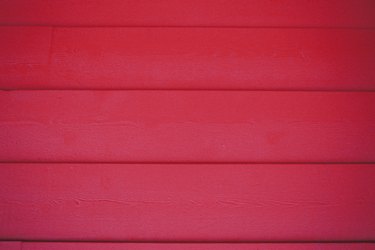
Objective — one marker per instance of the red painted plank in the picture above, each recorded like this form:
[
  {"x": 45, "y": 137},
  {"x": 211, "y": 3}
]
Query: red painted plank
[
  {"x": 8, "y": 245},
  {"x": 182, "y": 246},
  {"x": 15, "y": 245},
  {"x": 326, "y": 13},
  {"x": 187, "y": 58},
  {"x": 187, "y": 126},
  {"x": 188, "y": 202}
]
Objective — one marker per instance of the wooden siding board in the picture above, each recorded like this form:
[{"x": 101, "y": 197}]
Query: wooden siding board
[
  {"x": 10, "y": 245},
  {"x": 243, "y": 13},
  {"x": 187, "y": 58},
  {"x": 187, "y": 126},
  {"x": 200, "y": 246},
  {"x": 136, "y": 157},
  {"x": 187, "y": 202}
]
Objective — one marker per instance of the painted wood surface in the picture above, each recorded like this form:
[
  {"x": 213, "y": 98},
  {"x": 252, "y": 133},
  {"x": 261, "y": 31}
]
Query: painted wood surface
[
  {"x": 188, "y": 202},
  {"x": 179, "y": 246},
  {"x": 243, "y": 13},
  {"x": 10, "y": 245},
  {"x": 187, "y": 58},
  {"x": 201, "y": 124},
  {"x": 187, "y": 126}
]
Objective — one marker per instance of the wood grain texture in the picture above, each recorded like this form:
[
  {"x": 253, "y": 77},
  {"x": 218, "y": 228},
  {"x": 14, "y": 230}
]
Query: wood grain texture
[
  {"x": 188, "y": 202},
  {"x": 287, "y": 13},
  {"x": 187, "y": 58},
  {"x": 182, "y": 246},
  {"x": 186, "y": 126}
]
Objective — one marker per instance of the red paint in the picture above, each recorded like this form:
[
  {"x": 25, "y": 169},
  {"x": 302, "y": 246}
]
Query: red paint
[
  {"x": 179, "y": 246},
  {"x": 188, "y": 202},
  {"x": 196, "y": 92},
  {"x": 187, "y": 58},
  {"x": 187, "y": 126},
  {"x": 11, "y": 245},
  {"x": 243, "y": 13},
  {"x": 182, "y": 246}
]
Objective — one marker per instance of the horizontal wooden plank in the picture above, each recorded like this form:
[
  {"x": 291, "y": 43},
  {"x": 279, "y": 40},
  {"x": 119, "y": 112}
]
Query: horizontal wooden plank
[
  {"x": 184, "y": 202},
  {"x": 326, "y": 13},
  {"x": 178, "y": 246},
  {"x": 187, "y": 58},
  {"x": 184, "y": 246},
  {"x": 4, "y": 245},
  {"x": 187, "y": 126},
  {"x": 13, "y": 245}
]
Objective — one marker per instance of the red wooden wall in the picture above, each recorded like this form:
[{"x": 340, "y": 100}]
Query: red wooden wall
[{"x": 170, "y": 124}]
